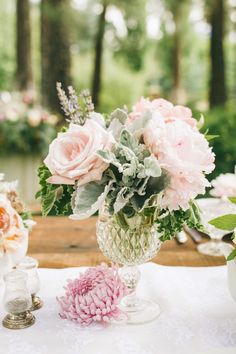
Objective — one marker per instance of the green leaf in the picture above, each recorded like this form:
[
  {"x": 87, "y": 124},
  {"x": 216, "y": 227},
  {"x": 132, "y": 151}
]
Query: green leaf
[
  {"x": 232, "y": 255},
  {"x": 225, "y": 222},
  {"x": 211, "y": 137},
  {"x": 232, "y": 199},
  {"x": 200, "y": 122},
  {"x": 55, "y": 199},
  {"x": 50, "y": 199}
]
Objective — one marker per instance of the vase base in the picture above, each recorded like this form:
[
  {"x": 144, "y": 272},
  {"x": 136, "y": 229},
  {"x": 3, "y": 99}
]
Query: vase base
[{"x": 142, "y": 312}]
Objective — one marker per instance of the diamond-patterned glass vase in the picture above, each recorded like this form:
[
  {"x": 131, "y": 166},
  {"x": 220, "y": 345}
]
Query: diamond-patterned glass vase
[{"x": 130, "y": 242}]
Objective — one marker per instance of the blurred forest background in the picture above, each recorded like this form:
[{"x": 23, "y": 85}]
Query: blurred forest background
[{"x": 184, "y": 51}]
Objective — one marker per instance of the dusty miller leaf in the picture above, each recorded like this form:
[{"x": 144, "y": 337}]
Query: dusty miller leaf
[
  {"x": 137, "y": 127},
  {"x": 120, "y": 115},
  {"x": 122, "y": 199},
  {"x": 152, "y": 167},
  {"x": 115, "y": 128},
  {"x": 88, "y": 199}
]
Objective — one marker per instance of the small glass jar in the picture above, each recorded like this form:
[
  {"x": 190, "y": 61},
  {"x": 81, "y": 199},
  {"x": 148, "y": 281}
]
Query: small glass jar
[
  {"x": 17, "y": 301},
  {"x": 29, "y": 265}
]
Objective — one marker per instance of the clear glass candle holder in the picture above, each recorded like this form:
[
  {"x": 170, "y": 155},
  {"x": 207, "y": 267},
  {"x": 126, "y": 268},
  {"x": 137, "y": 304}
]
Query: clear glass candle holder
[
  {"x": 17, "y": 301},
  {"x": 29, "y": 265}
]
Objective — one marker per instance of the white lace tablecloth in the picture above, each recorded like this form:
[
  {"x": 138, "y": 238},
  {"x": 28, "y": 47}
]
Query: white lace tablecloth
[{"x": 198, "y": 316}]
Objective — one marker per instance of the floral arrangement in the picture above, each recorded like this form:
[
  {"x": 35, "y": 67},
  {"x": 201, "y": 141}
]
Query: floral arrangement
[
  {"x": 25, "y": 127},
  {"x": 227, "y": 222},
  {"x": 152, "y": 161},
  {"x": 15, "y": 224},
  {"x": 93, "y": 297},
  {"x": 224, "y": 185}
]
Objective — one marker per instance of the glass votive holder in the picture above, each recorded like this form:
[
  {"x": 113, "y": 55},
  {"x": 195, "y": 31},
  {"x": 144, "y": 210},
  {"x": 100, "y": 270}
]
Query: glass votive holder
[
  {"x": 17, "y": 301},
  {"x": 29, "y": 265}
]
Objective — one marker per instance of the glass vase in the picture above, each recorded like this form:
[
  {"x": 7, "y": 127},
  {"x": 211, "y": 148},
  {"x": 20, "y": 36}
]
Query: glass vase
[{"x": 130, "y": 242}]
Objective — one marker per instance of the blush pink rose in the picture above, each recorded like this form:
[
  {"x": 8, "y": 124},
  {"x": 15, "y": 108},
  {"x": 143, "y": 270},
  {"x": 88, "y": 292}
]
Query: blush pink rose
[
  {"x": 72, "y": 155},
  {"x": 164, "y": 109},
  {"x": 186, "y": 156}
]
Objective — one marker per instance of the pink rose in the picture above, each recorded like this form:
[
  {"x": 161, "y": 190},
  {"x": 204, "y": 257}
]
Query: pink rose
[
  {"x": 72, "y": 155},
  {"x": 164, "y": 109},
  {"x": 186, "y": 156}
]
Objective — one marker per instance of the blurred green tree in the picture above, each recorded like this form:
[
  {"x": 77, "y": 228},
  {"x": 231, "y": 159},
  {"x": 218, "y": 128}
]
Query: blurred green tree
[
  {"x": 55, "y": 50},
  {"x": 130, "y": 47},
  {"x": 215, "y": 14},
  {"x": 23, "y": 45},
  {"x": 173, "y": 44},
  {"x": 96, "y": 79}
]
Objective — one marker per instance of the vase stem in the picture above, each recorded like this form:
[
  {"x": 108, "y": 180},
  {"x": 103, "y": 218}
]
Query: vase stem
[{"x": 130, "y": 275}]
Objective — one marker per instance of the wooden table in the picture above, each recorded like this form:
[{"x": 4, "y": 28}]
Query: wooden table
[{"x": 59, "y": 242}]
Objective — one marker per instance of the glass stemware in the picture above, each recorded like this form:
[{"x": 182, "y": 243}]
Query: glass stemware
[
  {"x": 212, "y": 208},
  {"x": 130, "y": 247}
]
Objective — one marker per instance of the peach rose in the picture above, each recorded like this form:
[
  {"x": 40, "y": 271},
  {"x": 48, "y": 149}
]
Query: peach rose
[
  {"x": 72, "y": 155},
  {"x": 13, "y": 234}
]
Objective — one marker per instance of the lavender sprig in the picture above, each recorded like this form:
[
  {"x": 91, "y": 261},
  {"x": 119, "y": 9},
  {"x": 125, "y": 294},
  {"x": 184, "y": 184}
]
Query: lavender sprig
[
  {"x": 89, "y": 106},
  {"x": 71, "y": 107}
]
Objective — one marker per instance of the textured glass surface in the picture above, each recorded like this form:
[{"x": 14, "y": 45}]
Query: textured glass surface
[{"x": 131, "y": 246}]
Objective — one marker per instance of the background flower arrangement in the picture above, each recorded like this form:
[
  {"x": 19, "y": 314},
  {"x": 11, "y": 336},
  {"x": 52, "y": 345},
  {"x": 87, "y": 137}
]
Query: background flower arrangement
[
  {"x": 151, "y": 162},
  {"x": 15, "y": 224},
  {"x": 25, "y": 127},
  {"x": 224, "y": 186}
]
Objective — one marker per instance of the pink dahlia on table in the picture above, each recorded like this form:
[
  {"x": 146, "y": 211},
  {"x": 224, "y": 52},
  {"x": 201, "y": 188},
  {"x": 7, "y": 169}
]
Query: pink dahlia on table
[{"x": 93, "y": 297}]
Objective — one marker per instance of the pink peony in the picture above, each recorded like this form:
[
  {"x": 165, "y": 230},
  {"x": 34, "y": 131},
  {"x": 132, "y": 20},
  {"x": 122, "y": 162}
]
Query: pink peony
[
  {"x": 224, "y": 185},
  {"x": 72, "y": 155},
  {"x": 164, "y": 109},
  {"x": 185, "y": 154},
  {"x": 93, "y": 297}
]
